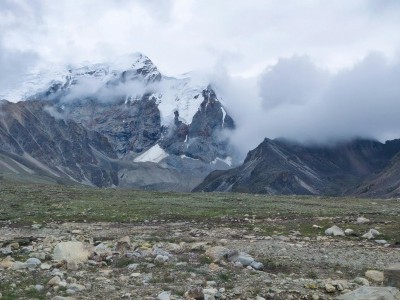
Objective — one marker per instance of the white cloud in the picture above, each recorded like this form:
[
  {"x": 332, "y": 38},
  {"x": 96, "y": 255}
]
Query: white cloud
[
  {"x": 182, "y": 35},
  {"x": 290, "y": 101}
]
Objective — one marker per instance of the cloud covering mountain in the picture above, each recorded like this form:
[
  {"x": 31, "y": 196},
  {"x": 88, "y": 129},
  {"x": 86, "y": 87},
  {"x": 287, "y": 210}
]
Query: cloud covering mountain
[{"x": 298, "y": 100}]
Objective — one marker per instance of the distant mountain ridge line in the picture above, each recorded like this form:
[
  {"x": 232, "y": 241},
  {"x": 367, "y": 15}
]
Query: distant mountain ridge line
[{"x": 284, "y": 167}]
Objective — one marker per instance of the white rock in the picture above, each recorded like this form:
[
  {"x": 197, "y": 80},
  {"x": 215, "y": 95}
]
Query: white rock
[
  {"x": 374, "y": 275},
  {"x": 372, "y": 293},
  {"x": 72, "y": 252},
  {"x": 32, "y": 262},
  {"x": 371, "y": 234},
  {"x": 102, "y": 250},
  {"x": 39, "y": 287},
  {"x": 257, "y": 265},
  {"x": 164, "y": 296},
  {"x": 362, "y": 220},
  {"x": 362, "y": 281},
  {"x": 349, "y": 231},
  {"x": 54, "y": 281},
  {"x": 45, "y": 266},
  {"x": 245, "y": 259},
  {"x": 335, "y": 231},
  {"x": 209, "y": 293},
  {"x": 161, "y": 258},
  {"x": 330, "y": 288},
  {"x": 18, "y": 266},
  {"x": 382, "y": 242},
  {"x": 76, "y": 287}
]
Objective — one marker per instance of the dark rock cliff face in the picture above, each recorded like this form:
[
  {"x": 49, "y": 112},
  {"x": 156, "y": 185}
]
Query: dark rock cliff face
[
  {"x": 130, "y": 127},
  {"x": 385, "y": 183},
  {"x": 62, "y": 147},
  {"x": 282, "y": 167}
]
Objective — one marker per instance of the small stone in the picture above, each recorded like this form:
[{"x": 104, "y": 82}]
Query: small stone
[
  {"x": 217, "y": 253},
  {"x": 381, "y": 242},
  {"x": 334, "y": 231},
  {"x": 362, "y": 281},
  {"x": 54, "y": 281},
  {"x": 7, "y": 263},
  {"x": 161, "y": 259},
  {"x": 76, "y": 287},
  {"x": 18, "y": 265},
  {"x": 349, "y": 232},
  {"x": 209, "y": 293},
  {"x": 195, "y": 293},
  {"x": 45, "y": 266},
  {"x": 330, "y": 288},
  {"x": 6, "y": 251},
  {"x": 76, "y": 231},
  {"x": 14, "y": 246},
  {"x": 257, "y": 265},
  {"x": 136, "y": 274},
  {"x": 362, "y": 220},
  {"x": 102, "y": 250},
  {"x": 32, "y": 262},
  {"x": 245, "y": 259},
  {"x": 371, "y": 234},
  {"x": 164, "y": 296},
  {"x": 374, "y": 275},
  {"x": 39, "y": 287}
]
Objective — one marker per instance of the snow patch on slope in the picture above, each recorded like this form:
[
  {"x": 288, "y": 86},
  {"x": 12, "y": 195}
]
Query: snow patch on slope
[
  {"x": 154, "y": 154},
  {"x": 182, "y": 93},
  {"x": 227, "y": 160}
]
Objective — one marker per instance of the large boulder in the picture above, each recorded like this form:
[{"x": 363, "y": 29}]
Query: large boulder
[
  {"x": 75, "y": 252},
  {"x": 372, "y": 293}
]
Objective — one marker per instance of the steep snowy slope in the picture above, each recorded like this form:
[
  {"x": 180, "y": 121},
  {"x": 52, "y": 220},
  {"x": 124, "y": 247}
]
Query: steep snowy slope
[{"x": 152, "y": 121}]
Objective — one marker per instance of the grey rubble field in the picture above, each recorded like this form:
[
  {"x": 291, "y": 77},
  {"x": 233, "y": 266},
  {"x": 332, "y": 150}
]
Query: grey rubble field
[{"x": 148, "y": 245}]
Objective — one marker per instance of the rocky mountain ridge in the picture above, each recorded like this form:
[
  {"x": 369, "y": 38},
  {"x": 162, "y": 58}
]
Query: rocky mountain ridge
[
  {"x": 152, "y": 123},
  {"x": 357, "y": 167}
]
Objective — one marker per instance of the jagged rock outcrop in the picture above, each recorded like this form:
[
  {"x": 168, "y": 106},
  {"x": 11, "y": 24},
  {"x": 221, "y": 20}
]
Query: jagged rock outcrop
[
  {"x": 283, "y": 167},
  {"x": 201, "y": 139}
]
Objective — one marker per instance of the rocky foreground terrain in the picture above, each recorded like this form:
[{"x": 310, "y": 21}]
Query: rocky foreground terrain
[
  {"x": 184, "y": 260},
  {"x": 60, "y": 242}
]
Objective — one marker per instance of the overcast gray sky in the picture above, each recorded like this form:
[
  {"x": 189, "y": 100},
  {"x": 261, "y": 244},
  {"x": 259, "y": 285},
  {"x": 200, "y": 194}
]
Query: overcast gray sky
[
  {"x": 182, "y": 35},
  {"x": 286, "y": 61}
]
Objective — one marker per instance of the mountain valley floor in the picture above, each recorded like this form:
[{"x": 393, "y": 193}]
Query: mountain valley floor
[{"x": 73, "y": 242}]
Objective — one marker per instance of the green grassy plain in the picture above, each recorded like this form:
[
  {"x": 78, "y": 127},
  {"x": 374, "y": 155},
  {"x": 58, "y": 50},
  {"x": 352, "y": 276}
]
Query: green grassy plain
[{"x": 24, "y": 204}]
